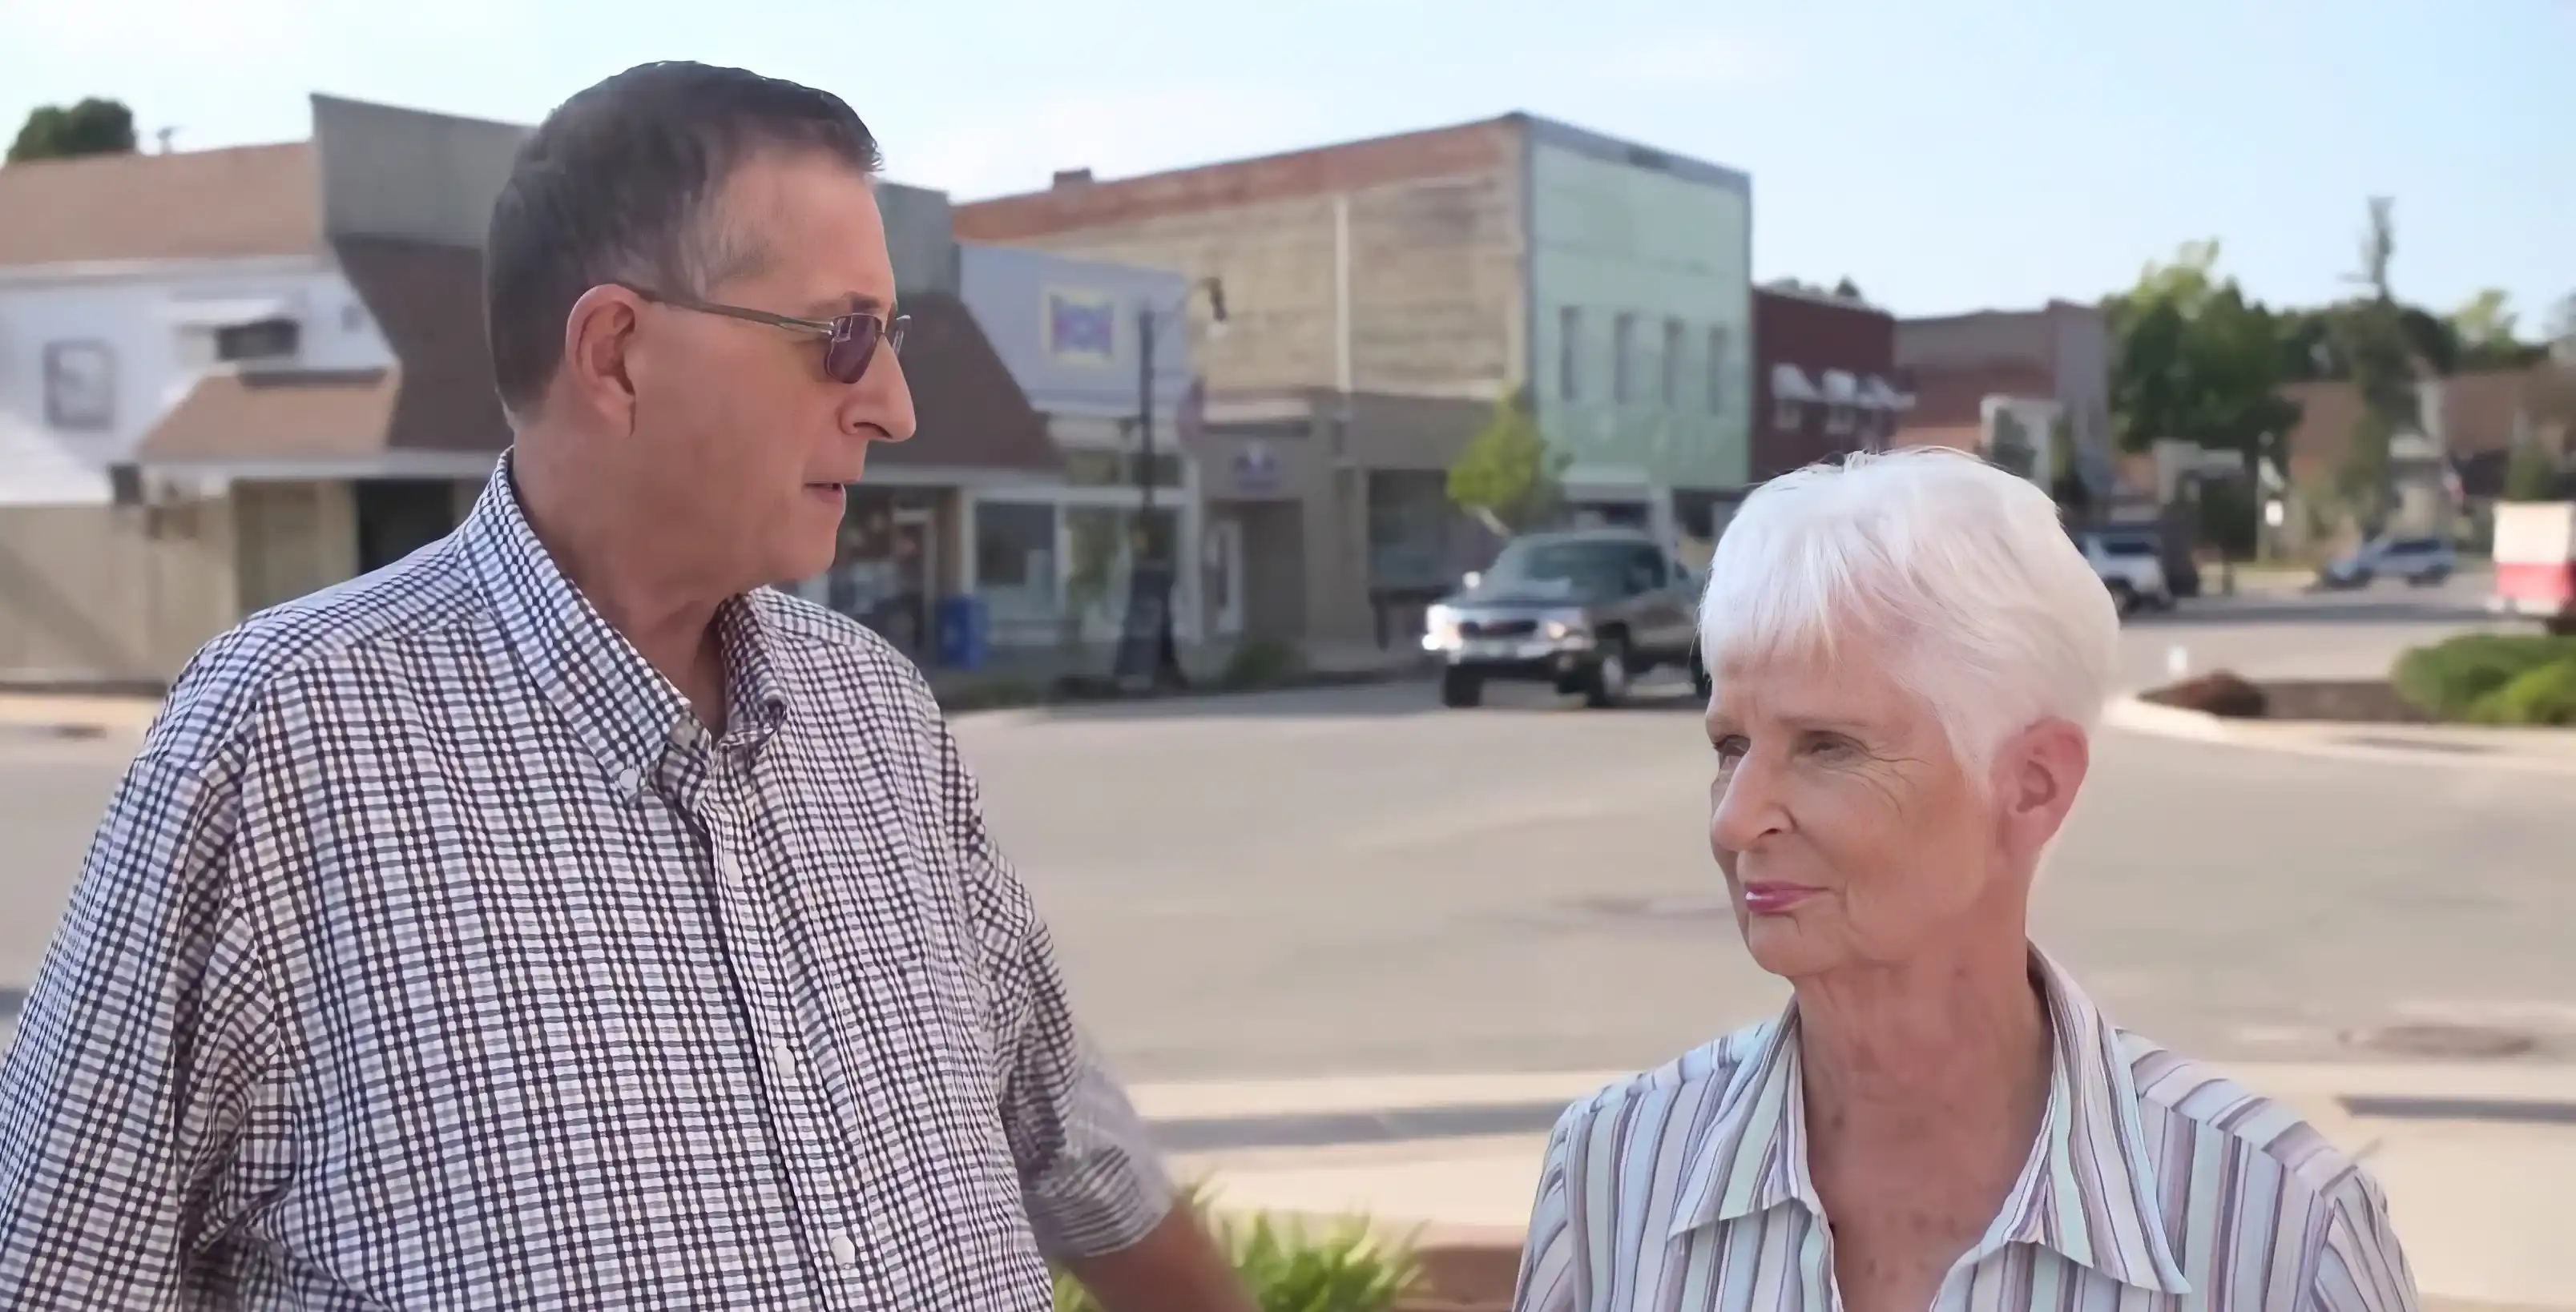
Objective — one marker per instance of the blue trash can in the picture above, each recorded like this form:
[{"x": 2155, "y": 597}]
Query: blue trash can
[{"x": 965, "y": 632}]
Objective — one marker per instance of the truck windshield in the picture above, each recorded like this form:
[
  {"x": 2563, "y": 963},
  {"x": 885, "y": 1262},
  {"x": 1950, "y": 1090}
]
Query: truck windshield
[{"x": 1561, "y": 569}]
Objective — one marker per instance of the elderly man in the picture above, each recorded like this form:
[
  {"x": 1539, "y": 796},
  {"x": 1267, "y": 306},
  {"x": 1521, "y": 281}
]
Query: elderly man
[
  {"x": 1910, "y": 658},
  {"x": 560, "y": 918}
]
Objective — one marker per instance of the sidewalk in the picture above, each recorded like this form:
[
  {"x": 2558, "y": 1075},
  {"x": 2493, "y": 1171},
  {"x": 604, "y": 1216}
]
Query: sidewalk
[
  {"x": 2475, "y": 1159},
  {"x": 2546, "y": 751},
  {"x": 80, "y": 714}
]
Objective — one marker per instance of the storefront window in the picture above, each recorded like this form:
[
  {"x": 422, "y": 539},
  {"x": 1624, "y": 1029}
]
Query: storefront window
[
  {"x": 1100, "y": 544},
  {"x": 1015, "y": 563}
]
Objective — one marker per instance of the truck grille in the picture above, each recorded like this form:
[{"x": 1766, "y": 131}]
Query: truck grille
[{"x": 1497, "y": 628}]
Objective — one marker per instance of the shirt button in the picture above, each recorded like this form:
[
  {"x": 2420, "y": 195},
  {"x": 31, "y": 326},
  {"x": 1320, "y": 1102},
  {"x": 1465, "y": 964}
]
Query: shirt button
[
  {"x": 626, "y": 781},
  {"x": 845, "y": 1250},
  {"x": 729, "y": 869},
  {"x": 784, "y": 1053}
]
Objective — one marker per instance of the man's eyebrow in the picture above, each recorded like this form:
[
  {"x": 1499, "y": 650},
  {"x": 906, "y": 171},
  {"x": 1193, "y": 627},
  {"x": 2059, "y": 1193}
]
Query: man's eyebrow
[{"x": 845, "y": 303}]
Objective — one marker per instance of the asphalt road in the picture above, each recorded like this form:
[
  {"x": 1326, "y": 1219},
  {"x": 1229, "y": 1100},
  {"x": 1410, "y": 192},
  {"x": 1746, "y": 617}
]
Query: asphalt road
[{"x": 1356, "y": 881}]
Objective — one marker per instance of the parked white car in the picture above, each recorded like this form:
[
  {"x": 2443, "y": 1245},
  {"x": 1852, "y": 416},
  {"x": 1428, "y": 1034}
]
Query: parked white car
[{"x": 2130, "y": 568}]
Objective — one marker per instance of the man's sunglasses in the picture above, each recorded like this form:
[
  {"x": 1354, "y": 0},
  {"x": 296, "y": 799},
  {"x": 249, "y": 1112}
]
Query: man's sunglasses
[{"x": 849, "y": 340}]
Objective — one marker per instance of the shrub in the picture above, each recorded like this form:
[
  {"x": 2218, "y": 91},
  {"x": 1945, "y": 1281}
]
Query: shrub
[
  {"x": 1261, "y": 663},
  {"x": 2541, "y": 695},
  {"x": 1289, "y": 1270},
  {"x": 2219, "y": 692},
  {"x": 2448, "y": 679}
]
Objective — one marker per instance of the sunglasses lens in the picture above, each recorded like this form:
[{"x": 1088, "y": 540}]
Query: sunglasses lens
[{"x": 854, "y": 343}]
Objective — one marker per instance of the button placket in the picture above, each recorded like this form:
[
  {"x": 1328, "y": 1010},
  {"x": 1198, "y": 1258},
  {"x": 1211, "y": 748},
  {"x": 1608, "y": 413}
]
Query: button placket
[{"x": 814, "y": 1173}]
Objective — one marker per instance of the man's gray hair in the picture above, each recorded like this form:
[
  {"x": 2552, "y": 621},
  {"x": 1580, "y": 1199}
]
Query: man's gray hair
[{"x": 1964, "y": 572}]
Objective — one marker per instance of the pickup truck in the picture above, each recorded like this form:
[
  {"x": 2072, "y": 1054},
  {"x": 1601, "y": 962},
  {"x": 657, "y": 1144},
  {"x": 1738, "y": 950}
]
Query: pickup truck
[
  {"x": 1586, "y": 611},
  {"x": 2535, "y": 562}
]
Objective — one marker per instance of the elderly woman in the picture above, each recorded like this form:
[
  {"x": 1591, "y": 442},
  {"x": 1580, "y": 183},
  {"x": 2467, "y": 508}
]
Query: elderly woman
[{"x": 1910, "y": 660}]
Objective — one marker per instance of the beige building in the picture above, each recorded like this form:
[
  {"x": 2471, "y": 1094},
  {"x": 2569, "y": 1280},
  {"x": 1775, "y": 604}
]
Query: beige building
[{"x": 1332, "y": 529}]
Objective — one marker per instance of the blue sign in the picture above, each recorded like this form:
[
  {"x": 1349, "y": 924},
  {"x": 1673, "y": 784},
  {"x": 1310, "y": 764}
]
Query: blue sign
[{"x": 1081, "y": 327}]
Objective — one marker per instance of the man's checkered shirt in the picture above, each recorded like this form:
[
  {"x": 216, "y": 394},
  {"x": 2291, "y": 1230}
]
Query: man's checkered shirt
[{"x": 432, "y": 956}]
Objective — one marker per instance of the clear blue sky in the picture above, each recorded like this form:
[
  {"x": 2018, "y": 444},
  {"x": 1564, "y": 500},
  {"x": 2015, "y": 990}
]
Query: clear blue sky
[{"x": 1946, "y": 154}]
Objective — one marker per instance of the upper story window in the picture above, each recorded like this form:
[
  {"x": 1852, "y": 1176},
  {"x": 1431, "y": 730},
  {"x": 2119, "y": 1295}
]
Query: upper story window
[
  {"x": 1569, "y": 334},
  {"x": 80, "y": 386},
  {"x": 257, "y": 341},
  {"x": 1623, "y": 348},
  {"x": 1672, "y": 363},
  {"x": 1717, "y": 371}
]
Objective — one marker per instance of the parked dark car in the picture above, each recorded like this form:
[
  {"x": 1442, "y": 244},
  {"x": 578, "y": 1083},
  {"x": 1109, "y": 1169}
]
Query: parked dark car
[{"x": 1586, "y": 611}]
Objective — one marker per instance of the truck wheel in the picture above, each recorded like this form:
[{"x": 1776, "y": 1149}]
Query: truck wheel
[
  {"x": 1608, "y": 685},
  {"x": 1701, "y": 684},
  {"x": 1460, "y": 689},
  {"x": 2124, "y": 598}
]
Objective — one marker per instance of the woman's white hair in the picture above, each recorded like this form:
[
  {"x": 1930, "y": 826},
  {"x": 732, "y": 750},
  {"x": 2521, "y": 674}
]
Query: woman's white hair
[{"x": 1965, "y": 573}]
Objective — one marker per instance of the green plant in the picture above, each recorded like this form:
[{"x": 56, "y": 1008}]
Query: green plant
[
  {"x": 2544, "y": 695},
  {"x": 1348, "y": 1269},
  {"x": 1507, "y": 471},
  {"x": 2448, "y": 679}
]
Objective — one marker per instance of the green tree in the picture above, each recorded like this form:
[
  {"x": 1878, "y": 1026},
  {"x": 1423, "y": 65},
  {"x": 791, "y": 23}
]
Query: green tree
[
  {"x": 2193, "y": 359},
  {"x": 91, "y": 127},
  {"x": 1507, "y": 475},
  {"x": 2485, "y": 320},
  {"x": 2530, "y": 473},
  {"x": 2384, "y": 350}
]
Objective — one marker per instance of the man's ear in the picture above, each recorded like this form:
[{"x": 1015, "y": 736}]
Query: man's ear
[{"x": 599, "y": 333}]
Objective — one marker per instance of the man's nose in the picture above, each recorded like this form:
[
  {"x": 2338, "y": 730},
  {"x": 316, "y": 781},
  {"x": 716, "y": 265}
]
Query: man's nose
[{"x": 881, "y": 400}]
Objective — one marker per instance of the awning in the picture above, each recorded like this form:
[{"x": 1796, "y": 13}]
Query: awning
[
  {"x": 274, "y": 415},
  {"x": 1788, "y": 383},
  {"x": 1841, "y": 388},
  {"x": 226, "y": 312},
  {"x": 1878, "y": 395}
]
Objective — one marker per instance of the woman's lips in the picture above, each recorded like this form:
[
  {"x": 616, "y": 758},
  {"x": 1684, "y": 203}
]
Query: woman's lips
[{"x": 1772, "y": 899}]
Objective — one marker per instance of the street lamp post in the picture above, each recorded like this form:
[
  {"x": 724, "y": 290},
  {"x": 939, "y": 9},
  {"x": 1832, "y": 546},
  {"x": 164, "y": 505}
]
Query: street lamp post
[{"x": 1161, "y": 667}]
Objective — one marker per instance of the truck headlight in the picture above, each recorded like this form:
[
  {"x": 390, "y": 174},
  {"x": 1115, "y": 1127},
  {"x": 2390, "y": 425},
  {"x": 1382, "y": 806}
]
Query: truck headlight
[
  {"x": 1439, "y": 629},
  {"x": 1565, "y": 625}
]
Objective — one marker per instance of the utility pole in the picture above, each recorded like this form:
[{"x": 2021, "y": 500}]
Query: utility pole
[
  {"x": 1153, "y": 658},
  {"x": 1167, "y": 656}
]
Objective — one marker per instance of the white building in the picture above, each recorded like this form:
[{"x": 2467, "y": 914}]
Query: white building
[{"x": 230, "y": 377}]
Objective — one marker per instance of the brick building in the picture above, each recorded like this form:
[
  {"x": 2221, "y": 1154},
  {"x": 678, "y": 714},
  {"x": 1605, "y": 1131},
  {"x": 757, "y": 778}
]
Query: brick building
[
  {"x": 1608, "y": 279},
  {"x": 1823, "y": 370},
  {"x": 2059, "y": 354}
]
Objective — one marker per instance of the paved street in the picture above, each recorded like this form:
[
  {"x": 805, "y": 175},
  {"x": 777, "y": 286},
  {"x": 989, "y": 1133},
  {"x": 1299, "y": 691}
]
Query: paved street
[{"x": 1355, "y": 881}]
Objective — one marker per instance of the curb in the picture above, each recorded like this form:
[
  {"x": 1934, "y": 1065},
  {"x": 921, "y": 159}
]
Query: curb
[
  {"x": 76, "y": 716},
  {"x": 2381, "y": 744},
  {"x": 1227, "y": 1118}
]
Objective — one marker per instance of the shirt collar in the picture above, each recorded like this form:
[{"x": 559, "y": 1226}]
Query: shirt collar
[
  {"x": 2088, "y": 1192},
  {"x": 624, "y": 710}
]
